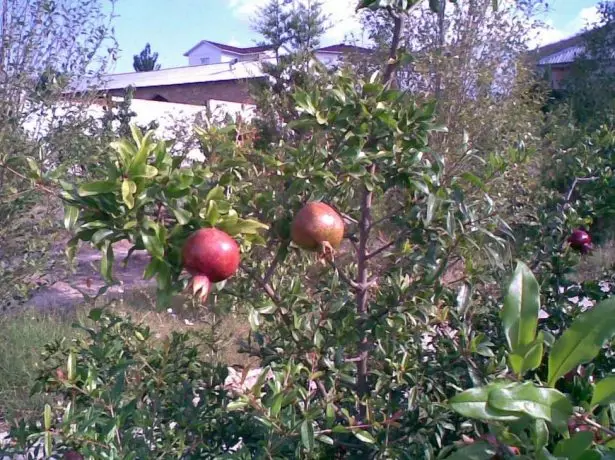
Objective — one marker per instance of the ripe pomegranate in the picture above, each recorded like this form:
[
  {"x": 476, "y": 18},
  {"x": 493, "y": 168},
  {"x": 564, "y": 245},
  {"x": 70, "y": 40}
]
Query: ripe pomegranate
[
  {"x": 211, "y": 256},
  {"x": 580, "y": 241},
  {"x": 317, "y": 227}
]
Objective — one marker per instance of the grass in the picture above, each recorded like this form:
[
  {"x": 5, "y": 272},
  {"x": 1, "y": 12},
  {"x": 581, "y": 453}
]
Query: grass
[{"x": 23, "y": 336}]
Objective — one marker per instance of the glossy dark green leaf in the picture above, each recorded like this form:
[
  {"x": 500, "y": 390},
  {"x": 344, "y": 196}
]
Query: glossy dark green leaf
[
  {"x": 574, "y": 447},
  {"x": 540, "y": 434},
  {"x": 97, "y": 188},
  {"x": 527, "y": 357},
  {"x": 472, "y": 403},
  {"x": 475, "y": 451},
  {"x": 604, "y": 391},
  {"x": 539, "y": 403},
  {"x": 182, "y": 216},
  {"x": 521, "y": 308},
  {"x": 582, "y": 341},
  {"x": 276, "y": 405},
  {"x": 153, "y": 245},
  {"x": 307, "y": 435}
]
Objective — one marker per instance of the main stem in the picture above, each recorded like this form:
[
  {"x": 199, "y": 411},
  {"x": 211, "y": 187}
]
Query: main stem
[{"x": 364, "y": 230}]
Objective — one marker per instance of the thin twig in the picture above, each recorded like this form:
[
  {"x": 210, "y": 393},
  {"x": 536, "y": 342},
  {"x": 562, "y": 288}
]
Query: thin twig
[
  {"x": 575, "y": 182},
  {"x": 342, "y": 275},
  {"x": 266, "y": 286},
  {"x": 21, "y": 176}
]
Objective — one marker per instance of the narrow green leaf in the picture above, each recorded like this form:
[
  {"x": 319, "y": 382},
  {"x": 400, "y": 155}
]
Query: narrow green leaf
[
  {"x": 236, "y": 405},
  {"x": 540, "y": 434},
  {"x": 604, "y": 392},
  {"x": 307, "y": 435},
  {"x": 276, "y": 405},
  {"x": 539, "y": 403},
  {"x": 472, "y": 403},
  {"x": 97, "y": 188},
  {"x": 106, "y": 263},
  {"x": 476, "y": 451},
  {"x": 48, "y": 444},
  {"x": 72, "y": 366},
  {"x": 47, "y": 417},
  {"x": 71, "y": 214},
  {"x": 364, "y": 436},
  {"x": 129, "y": 188},
  {"x": 582, "y": 341},
  {"x": 521, "y": 308}
]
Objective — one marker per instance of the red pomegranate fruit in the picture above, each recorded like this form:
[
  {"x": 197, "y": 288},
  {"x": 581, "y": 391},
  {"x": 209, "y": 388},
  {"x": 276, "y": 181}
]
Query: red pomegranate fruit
[
  {"x": 211, "y": 256},
  {"x": 580, "y": 240},
  {"x": 317, "y": 227}
]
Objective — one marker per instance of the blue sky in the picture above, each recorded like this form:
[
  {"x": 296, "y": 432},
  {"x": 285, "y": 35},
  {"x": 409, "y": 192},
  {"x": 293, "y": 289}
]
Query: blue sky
[{"x": 174, "y": 26}]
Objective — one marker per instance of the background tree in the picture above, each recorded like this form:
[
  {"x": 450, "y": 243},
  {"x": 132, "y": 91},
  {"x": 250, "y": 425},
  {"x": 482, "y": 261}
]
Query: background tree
[{"x": 145, "y": 61}]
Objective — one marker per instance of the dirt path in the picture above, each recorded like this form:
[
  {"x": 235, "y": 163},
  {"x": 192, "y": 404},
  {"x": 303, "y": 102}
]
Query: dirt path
[{"x": 69, "y": 290}]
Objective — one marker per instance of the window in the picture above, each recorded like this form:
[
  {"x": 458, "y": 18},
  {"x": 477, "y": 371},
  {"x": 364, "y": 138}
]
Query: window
[{"x": 204, "y": 60}]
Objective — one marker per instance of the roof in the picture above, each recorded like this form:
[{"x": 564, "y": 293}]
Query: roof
[
  {"x": 565, "y": 56},
  {"x": 179, "y": 75},
  {"x": 232, "y": 49},
  {"x": 343, "y": 48}
]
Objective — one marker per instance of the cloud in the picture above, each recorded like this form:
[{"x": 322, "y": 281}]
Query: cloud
[
  {"x": 586, "y": 18},
  {"x": 342, "y": 17}
]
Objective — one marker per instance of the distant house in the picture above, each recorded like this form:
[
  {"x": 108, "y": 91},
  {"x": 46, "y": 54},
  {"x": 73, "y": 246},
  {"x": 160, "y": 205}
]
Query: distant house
[
  {"x": 207, "y": 52},
  {"x": 215, "y": 72},
  {"x": 557, "y": 59}
]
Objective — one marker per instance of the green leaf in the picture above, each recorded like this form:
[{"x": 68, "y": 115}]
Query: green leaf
[
  {"x": 71, "y": 214},
  {"x": 106, "y": 263},
  {"x": 36, "y": 171},
  {"x": 472, "y": 403},
  {"x": 307, "y": 435},
  {"x": 153, "y": 245},
  {"x": 527, "y": 357},
  {"x": 521, "y": 308},
  {"x": 148, "y": 172},
  {"x": 540, "y": 434},
  {"x": 574, "y": 447},
  {"x": 97, "y": 188},
  {"x": 129, "y": 188},
  {"x": 236, "y": 405},
  {"x": 539, "y": 403},
  {"x": 101, "y": 235},
  {"x": 582, "y": 341},
  {"x": 476, "y": 451},
  {"x": 276, "y": 405},
  {"x": 72, "y": 366},
  {"x": 604, "y": 392},
  {"x": 95, "y": 314},
  {"x": 47, "y": 417},
  {"x": 364, "y": 436}
]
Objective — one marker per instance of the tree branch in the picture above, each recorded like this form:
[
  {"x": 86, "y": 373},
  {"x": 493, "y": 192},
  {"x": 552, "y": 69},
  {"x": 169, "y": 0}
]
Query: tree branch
[
  {"x": 575, "y": 182},
  {"x": 266, "y": 286},
  {"x": 342, "y": 275}
]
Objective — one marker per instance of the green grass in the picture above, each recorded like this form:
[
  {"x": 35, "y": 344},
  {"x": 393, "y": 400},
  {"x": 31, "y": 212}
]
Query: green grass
[{"x": 22, "y": 338}]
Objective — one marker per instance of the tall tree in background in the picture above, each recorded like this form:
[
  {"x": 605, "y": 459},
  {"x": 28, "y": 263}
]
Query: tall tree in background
[
  {"x": 271, "y": 22},
  {"x": 146, "y": 60},
  {"x": 298, "y": 25}
]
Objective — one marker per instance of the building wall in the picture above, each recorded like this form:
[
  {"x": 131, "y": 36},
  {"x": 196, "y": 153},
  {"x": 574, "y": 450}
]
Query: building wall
[
  {"x": 205, "y": 51},
  {"x": 558, "y": 75},
  {"x": 194, "y": 93}
]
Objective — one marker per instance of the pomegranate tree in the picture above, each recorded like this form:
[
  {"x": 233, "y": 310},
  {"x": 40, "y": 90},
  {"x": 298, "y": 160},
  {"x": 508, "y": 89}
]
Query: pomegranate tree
[{"x": 210, "y": 256}]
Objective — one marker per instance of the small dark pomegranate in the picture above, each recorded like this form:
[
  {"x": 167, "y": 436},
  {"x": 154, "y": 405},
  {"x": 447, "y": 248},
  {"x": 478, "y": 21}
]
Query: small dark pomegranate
[
  {"x": 317, "y": 227},
  {"x": 211, "y": 256},
  {"x": 73, "y": 455},
  {"x": 580, "y": 241}
]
